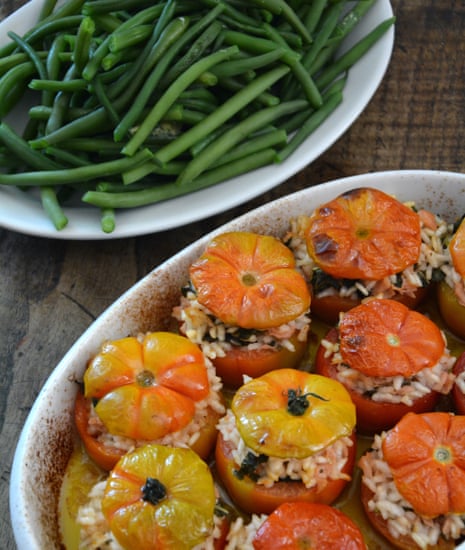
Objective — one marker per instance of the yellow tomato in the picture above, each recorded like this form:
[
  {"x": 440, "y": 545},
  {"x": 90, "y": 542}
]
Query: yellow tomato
[
  {"x": 289, "y": 413},
  {"x": 160, "y": 497}
]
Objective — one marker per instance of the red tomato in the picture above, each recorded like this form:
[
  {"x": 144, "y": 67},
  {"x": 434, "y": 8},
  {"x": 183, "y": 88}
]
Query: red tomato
[
  {"x": 452, "y": 312},
  {"x": 240, "y": 361},
  {"x": 328, "y": 308},
  {"x": 298, "y": 525},
  {"x": 253, "y": 498},
  {"x": 103, "y": 455},
  {"x": 457, "y": 395},
  {"x": 372, "y": 417},
  {"x": 106, "y": 457}
]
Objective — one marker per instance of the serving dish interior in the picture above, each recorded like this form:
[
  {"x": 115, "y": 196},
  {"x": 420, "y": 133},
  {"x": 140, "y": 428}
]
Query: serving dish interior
[{"x": 48, "y": 435}]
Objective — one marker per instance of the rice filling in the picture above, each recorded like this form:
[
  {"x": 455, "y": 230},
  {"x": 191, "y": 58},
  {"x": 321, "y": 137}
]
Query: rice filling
[{"x": 396, "y": 511}]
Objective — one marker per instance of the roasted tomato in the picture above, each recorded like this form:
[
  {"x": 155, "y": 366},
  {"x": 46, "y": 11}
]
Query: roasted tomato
[
  {"x": 451, "y": 291},
  {"x": 298, "y": 525},
  {"x": 160, "y": 497},
  {"x": 247, "y": 306},
  {"x": 287, "y": 416},
  {"x": 144, "y": 390},
  {"x": 415, "y": 473},
  {"x": 380, "y": 351},
  {"x": 457, "y": 393},
  {"x": 365, "y": 243}
]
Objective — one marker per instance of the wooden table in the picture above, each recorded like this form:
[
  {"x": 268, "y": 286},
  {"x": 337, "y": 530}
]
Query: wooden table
[{"x": 52, "y": 290}]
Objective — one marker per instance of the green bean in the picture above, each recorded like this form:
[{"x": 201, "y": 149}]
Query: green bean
[
  {"x": 82, "y": 46},
  {"x": 310, "y": 125},
  {"x": 65, "y": 157},
  {"x": 194, "y": 53},
  {"x": 75, "y": 175},
  {"x": 253, "y": 145},
  {"x": 239, "y": 66},
  {"x": 313, "y": 15},
  {"x": 134, "y": 175},
  {"x": 168, "y": 37},
  {"x": 31, "y": 53},
  {"x": 60, "y": 104},
  {"x": 160, "y": 193},
  {"x": 104, "y": 100},
  {"x": 346, "y": 60},
  {"x": 171, "y": 94},
  {"x": 222, "y": 114},
  {"x": 46, "y": 9},
  {"x": 121, "y": 40},
  {"x": 53, "y": 208},
  {"x": 107, "y": 221},
  {"x": 280, "y": 7},
  {"x": 20, "y": 148},
  {"x": 230, "y": 138},
  {"x": 71, "y": 85},
  {"x": 262, "y": 45}
]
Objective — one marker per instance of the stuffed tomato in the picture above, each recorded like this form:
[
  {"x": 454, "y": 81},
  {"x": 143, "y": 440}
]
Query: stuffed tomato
[
  {"x": 365, "y": 243},
  {"x": 155, "y": 497},
  {"x": 458, "y": 390},
  {"x": 294, "y": 526},
  {"x": 451, "y": 290},
  {"x": 391, "y": 359},
  {"x": 287, "y": 437},
  {"x": 413, "y": 482},
  {"x": 158, "y": 387},
  {"x": 247, "y": 306}
]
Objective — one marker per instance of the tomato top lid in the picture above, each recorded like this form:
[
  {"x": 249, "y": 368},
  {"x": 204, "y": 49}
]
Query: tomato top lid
[
  {"x": 147, "y": 387},
  {"x": 159, "y": 496},
  {"x": 363, "y": 233},
  {"x": 288, "y": 413},
  {"x": 426, "y": 455},
  {"x": 383, "y": 337},
  {"x": 250, "y": 280},
  {"x": 295, "y": 525}
]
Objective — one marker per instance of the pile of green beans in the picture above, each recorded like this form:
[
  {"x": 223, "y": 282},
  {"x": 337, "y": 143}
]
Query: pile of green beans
[{"x": 135, "y": 101}]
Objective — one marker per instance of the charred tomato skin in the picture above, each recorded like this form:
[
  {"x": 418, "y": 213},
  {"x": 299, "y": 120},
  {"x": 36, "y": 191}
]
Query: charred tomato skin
[
  {"x": 372, "y": 417},
  {"x": 257, "y": 499}
]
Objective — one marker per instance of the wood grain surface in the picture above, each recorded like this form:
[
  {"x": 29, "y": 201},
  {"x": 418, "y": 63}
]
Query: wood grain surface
[{"x": 51, "y": 291}]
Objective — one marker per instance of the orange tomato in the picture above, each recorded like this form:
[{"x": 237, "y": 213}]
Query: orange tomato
[
  {"x": 385, "y": 338},
  {"x": 457, "y": 395},
  {"x": 364, "y": 234},
  {"x": 147, "y": 388},
  {"x": 294, "y": 526},
  {"x": 372, "y": 416},
  {"x": 253, "y": 498},
  {"x": 426, "y": 456},
  {"x": 160, "y": 497},
  {"x": 250, "y": 280}
]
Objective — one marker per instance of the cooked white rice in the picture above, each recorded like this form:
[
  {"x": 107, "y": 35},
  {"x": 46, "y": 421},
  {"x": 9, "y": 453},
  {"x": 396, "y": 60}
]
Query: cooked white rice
[
  {"x": 242, "y": 533},
  {"x": 312, "y": 471},
  {"x": 95, "y": 533},
  {"x": 433, "y": 255},
  {"x": 394, "y": 389},
  {"x": 185, "y": 437},
  {"x": 401, "y": 518},
  {"x": 214, "y": 337}
]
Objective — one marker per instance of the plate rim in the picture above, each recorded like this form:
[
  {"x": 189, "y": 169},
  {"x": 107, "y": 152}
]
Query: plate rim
[{"x": 31, "y": 220}]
